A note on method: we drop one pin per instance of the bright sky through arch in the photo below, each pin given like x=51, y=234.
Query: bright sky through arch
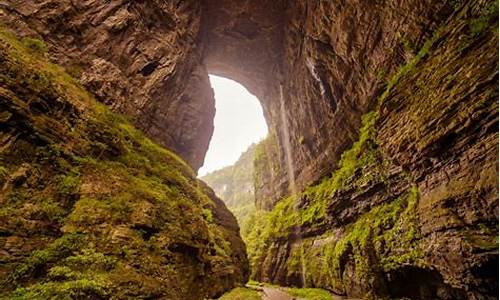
x=239, y=122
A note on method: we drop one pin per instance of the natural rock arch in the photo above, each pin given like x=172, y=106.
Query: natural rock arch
x=151, y=60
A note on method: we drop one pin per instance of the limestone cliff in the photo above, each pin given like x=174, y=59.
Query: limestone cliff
x=412, y=208
x=92, y=209
x=235, y=186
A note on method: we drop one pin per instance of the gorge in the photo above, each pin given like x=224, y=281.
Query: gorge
x=378, y=179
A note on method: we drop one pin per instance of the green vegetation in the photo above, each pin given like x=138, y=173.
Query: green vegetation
x=488, y=17
x=410, y=66
x=285, y=216
x=74, y=289
x=3, y=172
x=309, y=294
x=242, y=294
x=100, y=202
x=407, y=45
x=53, y=252
x=207, y=215
x=36, y=45
x=385, y=227
x=69, y=183
x=385, y=237
x=81, y=275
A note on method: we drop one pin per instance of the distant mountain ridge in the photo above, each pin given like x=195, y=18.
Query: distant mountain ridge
x=234, y=184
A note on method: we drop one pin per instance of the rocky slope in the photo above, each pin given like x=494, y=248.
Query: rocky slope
x=140, y=58
x=92, y=209
x=412, y=209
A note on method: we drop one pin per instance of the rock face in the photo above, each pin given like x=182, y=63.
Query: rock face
x=150, y=61
x=90, y=207
x=139, y=58
x=335, y=59
x=234, y=185
x=412, y=209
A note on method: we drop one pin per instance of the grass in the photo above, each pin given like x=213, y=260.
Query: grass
x=241, y=294
x=309, y=294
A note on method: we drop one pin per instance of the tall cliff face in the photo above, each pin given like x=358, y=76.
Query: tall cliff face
x=412, y=208
x=234, y=185
x=335, y=59
x=90, y=207
x=139, y=58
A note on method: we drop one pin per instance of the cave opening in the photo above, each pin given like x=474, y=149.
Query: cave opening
x=238, y=123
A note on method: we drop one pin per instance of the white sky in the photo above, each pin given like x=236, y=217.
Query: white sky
x=239, y=122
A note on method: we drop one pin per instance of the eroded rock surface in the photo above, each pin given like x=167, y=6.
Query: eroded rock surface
x=92, y=209
x=412, y=210
x=140, y=58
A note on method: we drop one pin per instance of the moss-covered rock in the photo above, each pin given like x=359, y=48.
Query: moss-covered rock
x=411, y=210
x=92, y=209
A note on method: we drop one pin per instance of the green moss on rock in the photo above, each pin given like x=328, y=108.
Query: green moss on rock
x=95, y=207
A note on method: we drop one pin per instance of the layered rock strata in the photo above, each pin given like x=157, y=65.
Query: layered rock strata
x=412, y=209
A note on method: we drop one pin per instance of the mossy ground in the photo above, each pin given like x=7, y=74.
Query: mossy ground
x=309, y=294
